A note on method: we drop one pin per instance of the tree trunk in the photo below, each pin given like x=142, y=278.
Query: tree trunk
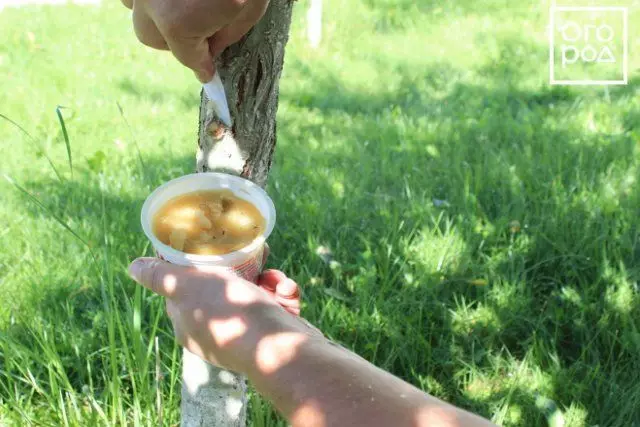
x=250, y=71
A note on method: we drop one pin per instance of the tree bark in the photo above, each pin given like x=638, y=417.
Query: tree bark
x=250, y=71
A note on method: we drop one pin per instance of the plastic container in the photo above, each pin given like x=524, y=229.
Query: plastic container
x=245, y=262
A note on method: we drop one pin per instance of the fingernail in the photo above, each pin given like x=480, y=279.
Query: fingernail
x=135, y=269
x=201, y=77
x=287, y=288
x=205, y=74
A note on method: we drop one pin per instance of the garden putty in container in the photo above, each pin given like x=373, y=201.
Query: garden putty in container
x=245, y=262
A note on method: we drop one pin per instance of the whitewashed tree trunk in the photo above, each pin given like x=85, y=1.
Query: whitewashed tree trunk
x=250, y=71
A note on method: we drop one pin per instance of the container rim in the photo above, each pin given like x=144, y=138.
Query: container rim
x=234, y=183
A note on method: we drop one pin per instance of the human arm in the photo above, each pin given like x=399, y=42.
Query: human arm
x=313, y=382
x=323, y=384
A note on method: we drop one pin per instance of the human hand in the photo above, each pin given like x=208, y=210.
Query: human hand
x=196, y=31
x=282, y=289
x=227, y=320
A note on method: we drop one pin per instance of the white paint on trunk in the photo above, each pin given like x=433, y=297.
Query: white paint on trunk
x=221, y=396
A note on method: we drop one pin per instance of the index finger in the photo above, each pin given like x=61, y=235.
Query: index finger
x=157, y=275
x=194, y=53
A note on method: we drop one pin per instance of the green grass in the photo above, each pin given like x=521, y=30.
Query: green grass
x=486, y=224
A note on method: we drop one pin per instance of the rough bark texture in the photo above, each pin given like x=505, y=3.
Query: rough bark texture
x=250, y=71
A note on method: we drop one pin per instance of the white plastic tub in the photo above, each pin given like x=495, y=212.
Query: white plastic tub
x=246, y=262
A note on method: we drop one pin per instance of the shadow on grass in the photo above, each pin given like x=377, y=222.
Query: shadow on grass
x=391, y=15
x=487, y=244
x=535, y=234
x=535, y=205
x=87, y=332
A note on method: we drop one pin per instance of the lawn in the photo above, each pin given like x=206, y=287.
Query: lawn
x=484, y=225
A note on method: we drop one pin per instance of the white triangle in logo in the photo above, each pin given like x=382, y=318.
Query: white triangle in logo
x=605, y=55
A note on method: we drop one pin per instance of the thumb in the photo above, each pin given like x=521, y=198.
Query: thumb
x=157, y=275
x=195, y=54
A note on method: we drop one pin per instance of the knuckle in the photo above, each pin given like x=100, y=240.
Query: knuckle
x=156, y=276
x=152, y=42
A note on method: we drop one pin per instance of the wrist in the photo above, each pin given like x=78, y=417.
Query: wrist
x=276, y=338
x=285, y=367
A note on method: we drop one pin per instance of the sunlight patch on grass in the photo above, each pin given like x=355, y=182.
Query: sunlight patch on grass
x=622, y=297
x=481, y=320
x=576, y=416
x=439, y=251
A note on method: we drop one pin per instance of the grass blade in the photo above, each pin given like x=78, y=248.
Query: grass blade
x=35, y=142
x=133, y=137
x=66, y=136
x=158, y=378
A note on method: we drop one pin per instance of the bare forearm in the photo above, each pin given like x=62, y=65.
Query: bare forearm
x=325, y=385
x=243, y=327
